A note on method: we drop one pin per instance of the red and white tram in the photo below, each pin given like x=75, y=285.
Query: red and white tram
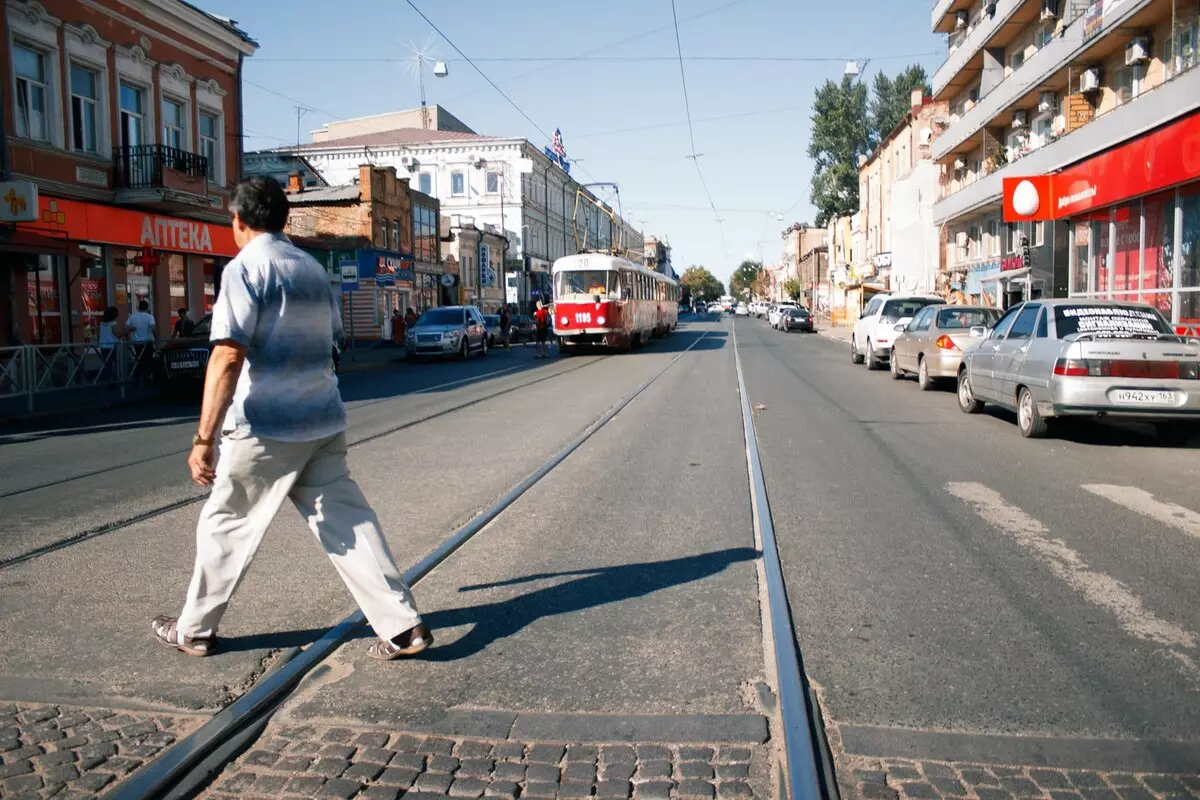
x=606, y=301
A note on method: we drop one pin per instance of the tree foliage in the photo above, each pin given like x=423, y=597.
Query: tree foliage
x=892, y=99
x=702, y=284
x=743, y=278
x=793, y=288
x=840, y=134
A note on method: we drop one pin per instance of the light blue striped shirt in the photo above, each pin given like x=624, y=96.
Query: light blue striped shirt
x=277, y=302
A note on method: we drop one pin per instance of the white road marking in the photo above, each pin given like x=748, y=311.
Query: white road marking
x=1143, y=502
x=1099, y=589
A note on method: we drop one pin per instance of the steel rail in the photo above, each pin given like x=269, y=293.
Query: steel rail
x=807, y=775
x=192, y=752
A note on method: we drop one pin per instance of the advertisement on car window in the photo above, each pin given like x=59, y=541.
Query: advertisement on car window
x=1110, y=320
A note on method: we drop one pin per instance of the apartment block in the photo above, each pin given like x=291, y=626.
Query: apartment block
x=1071, y=88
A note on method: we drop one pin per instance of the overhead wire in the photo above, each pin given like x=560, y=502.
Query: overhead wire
x=592, y=59
x=687, y=107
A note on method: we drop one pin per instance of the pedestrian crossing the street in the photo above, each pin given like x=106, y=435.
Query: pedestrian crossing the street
x=1174, y=641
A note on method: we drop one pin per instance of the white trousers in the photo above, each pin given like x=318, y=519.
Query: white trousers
x=254, y=476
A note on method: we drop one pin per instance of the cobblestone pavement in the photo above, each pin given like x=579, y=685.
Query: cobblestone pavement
x=66, y=752
x=892, y=779
x=341, y=762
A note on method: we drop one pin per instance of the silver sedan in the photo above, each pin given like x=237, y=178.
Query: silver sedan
x=1049, y=359
x=933, y=343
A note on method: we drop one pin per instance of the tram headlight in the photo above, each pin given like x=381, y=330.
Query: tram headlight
x=564, y=321
x=600, y=320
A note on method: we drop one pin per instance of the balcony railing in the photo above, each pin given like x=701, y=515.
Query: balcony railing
x=156, y=166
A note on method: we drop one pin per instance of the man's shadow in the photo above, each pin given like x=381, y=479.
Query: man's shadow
x=494, y=621
x=594, y=587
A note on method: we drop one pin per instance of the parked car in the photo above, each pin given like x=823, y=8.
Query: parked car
x=523, y=329
x=776, y=311
x=933, y=343
x=449, y=330
x=492, y=323
x=742, y=310
x=795, y=319
x=1048, y=359
x=874, y=330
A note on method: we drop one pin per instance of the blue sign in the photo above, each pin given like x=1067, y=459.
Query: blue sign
x=386, y=266
x=560, y=160
x=977, y=274
x=348, y=268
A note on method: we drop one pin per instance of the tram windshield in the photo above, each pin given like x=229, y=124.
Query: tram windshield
x=590, y=282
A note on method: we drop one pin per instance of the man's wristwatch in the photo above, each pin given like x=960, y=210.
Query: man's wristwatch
x=198, y=440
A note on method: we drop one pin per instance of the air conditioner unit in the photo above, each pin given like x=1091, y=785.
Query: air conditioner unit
x=925, y=136
x=1137, y=51
x=959, y=165
x=1047, y=101
x=1020, y=119
x=410, y=163
x=960, y=20
x=1049, y=10
x=960, y=238
x=1089, y=79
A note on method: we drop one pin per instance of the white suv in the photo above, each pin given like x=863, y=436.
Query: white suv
x=874, y=331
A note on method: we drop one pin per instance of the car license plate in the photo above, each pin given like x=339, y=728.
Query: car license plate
x=1148, y=397
x=186, y=364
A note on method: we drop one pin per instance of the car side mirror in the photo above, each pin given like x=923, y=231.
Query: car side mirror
x=900, y=327
x=978, y=331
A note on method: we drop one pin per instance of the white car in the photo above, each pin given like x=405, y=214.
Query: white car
x=773, y=316
x=875, y=330
x=742, y=310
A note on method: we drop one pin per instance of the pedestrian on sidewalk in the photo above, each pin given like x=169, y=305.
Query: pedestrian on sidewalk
x=505, y=326
x=183, y=326
x=141, y=325
x=541, y=319
x=270, y=393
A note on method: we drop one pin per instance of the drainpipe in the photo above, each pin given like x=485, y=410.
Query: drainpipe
x=241, y=139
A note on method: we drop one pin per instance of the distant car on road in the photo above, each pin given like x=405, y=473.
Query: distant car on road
x=742, y=310
x=775, y=312
x=523, y=329
x=932, y=345
x=1048, y=359
x=449, y=330
x=795, y=319
x=492, y=322
x=874, y=331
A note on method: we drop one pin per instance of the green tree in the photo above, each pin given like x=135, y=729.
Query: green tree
x=840, y=135
x=793, y=288
x=892, y=99
x=702, y=284
x=744, y=278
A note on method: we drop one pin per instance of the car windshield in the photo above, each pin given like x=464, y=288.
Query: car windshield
x=966, y=318
x=1115, y=320
x=442, y=316
x=895, y=310
x=589, y=282
x=797, y=312
x=203, y=327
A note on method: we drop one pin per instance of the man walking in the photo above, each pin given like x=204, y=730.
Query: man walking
x=541, y=319
x=270, y=380
x=142, y=325
x=184, y=325
x=505, y=325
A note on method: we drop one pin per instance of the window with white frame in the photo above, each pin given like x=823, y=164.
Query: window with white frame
x=174, y=122
x=396, y=233
x=1127, y=82
x=425, y=183
x=32, y=93
x=458, y=183
x=210, y=142
x=133, y=115
x=1039, y=234
x=493, y=182
x=974, y=234
x=85, y=109
x=993, y=237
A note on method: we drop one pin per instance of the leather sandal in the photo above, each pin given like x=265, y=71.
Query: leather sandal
x=409, y=643
x=166, y=631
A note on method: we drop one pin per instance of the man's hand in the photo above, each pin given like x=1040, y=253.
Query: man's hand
x=201, y=463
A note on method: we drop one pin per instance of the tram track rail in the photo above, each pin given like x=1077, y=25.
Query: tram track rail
x=188, y=765
x=158, y=511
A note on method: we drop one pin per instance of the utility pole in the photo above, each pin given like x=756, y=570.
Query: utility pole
x=300, y=112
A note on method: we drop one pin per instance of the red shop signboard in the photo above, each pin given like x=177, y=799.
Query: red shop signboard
x=1167, y=157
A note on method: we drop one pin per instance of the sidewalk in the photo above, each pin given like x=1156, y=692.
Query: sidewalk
x=839, y=333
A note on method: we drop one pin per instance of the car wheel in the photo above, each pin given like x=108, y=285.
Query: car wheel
x=872, y=359
x=855, y=356
x=464, y=350
x=894, y=366
x=1175, y=432
x=483, y=348
x=923, y=380
x=966, y=395
x=1030, y=422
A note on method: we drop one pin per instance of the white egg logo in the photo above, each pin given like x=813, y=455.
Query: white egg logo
x=1025, y=200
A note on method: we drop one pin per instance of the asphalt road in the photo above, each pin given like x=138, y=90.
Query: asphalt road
x=960, y=594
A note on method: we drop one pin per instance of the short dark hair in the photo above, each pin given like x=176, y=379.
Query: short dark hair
x=182, y=311
x=144, y=305
x=261, y=203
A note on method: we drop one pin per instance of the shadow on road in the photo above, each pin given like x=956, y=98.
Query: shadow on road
x=494, y=621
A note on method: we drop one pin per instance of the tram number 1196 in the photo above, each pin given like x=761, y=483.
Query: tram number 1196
x=583, y=316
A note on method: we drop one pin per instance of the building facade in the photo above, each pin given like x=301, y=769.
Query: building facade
x=1064, y=89
x=508, y=183
x=122, y=127
x=387, y=231
x=657, y=255
x=473, y=252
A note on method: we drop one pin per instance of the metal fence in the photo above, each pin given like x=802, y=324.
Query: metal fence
x=32, y=371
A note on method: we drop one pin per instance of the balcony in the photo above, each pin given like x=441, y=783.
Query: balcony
x=1178, y=96
x=157, y=175
x=1037, y=74
x=991, y=30
x=944, y=12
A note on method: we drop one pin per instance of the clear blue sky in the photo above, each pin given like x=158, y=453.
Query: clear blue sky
x=754, y=160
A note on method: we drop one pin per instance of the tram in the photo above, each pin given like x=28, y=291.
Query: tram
x=603, y=300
